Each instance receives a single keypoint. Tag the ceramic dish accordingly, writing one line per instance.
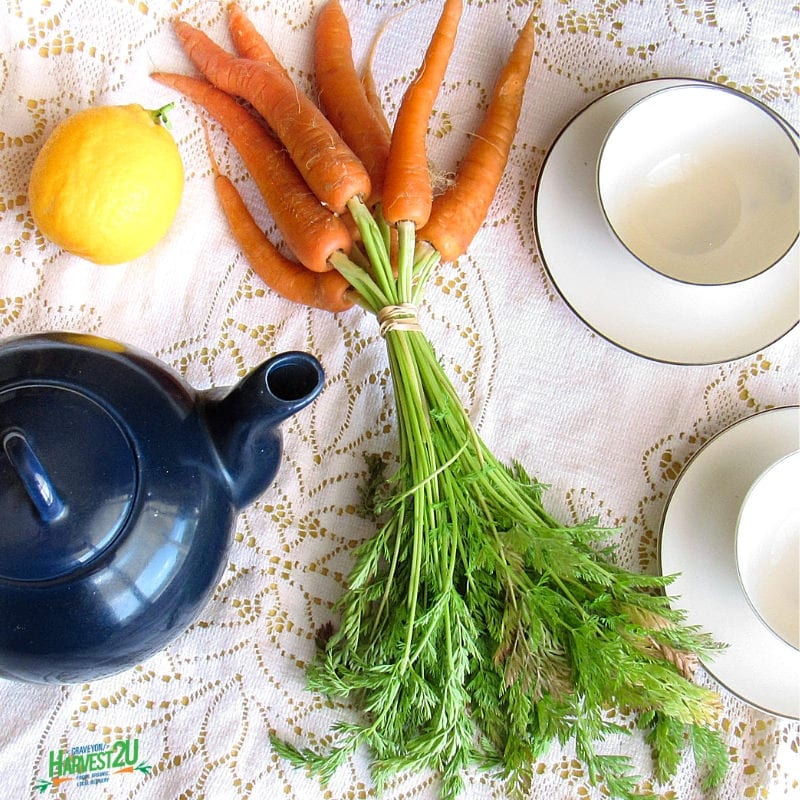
(768, 547)
(608, 288)
(698, 545)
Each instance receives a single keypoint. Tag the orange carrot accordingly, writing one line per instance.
(407, 192)
(368, 82)
(342, 96)
(458, 213)
(310, 231)
(330, 168)
(325, 290)
(247, 40)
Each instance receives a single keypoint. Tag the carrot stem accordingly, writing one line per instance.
(360, 280)
(375, 245)
(425, 261)
(405, 258)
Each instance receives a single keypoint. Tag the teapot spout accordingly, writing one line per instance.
(244, 420)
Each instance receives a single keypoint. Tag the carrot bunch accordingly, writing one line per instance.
(475, 629)
(311, 163)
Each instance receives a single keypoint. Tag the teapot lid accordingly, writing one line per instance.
(68, 480)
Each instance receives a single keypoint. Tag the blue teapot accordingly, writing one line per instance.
(119, 487)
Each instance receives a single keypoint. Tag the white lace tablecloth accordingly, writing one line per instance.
(609, 430)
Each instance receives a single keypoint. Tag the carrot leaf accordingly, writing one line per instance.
(476, 629)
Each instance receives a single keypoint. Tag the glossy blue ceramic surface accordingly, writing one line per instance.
(119, 485)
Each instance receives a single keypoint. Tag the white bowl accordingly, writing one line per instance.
(768, 547)
(701, 184)
(613, 293)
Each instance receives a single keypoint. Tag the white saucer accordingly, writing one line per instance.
(697, 543)
(614, 294)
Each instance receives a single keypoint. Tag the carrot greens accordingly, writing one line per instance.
(475, 628)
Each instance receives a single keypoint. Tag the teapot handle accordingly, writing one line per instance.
(33, 476)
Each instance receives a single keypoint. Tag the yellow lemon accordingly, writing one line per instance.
(107, 183)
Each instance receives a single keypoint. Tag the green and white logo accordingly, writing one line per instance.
(92, 764)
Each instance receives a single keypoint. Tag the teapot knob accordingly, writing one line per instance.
(68, 481)
(33, 475)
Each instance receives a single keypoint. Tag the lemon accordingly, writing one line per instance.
(107, 183)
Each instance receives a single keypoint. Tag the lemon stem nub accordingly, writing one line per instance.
(160, 117)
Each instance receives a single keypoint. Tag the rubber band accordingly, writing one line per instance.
(401, 317)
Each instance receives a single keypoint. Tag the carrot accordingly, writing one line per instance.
(342, 96)
(407, 191)
(368, 81)
(249, 43)
(310, 231)
(324, 290)
(330, 168)
(458, 213)
(328, 291)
